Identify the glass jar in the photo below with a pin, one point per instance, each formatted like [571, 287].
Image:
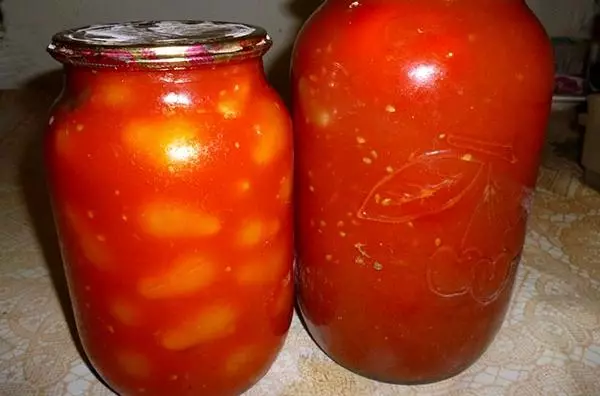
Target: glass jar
[169, 162]
[419, 126]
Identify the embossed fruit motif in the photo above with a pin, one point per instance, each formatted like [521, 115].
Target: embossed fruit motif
[418, 132]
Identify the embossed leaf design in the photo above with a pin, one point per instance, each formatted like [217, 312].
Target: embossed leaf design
[497, 223]
[430, 184]
[499, 150]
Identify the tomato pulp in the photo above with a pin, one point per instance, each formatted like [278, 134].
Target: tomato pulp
[171, 181]
[419, 126]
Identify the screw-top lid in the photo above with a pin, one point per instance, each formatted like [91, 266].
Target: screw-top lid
[159, 44]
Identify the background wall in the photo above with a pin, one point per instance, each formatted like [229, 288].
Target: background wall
[571, 18]
[30, 23]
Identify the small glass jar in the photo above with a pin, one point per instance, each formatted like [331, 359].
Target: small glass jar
[419, 127]
[169, 161]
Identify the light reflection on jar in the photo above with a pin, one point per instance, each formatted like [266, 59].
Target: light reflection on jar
[170, 51]
[182, 152]
[174, 98]
[424, 73]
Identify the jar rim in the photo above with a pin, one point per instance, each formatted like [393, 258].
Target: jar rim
[158, 44]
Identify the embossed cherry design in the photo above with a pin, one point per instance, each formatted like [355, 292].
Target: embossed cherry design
[452, 274]
[401, 197]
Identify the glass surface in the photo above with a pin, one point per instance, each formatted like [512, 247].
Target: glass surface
[419, 126]
[171, 188]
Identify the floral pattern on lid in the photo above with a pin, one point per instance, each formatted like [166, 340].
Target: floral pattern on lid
[158, 44]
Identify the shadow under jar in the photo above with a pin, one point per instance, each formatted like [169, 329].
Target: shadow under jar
[169, 162]
[419, 126]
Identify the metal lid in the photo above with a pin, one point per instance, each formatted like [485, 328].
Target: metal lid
[159, 44]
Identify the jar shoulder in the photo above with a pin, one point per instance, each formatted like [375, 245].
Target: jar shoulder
[416, 29]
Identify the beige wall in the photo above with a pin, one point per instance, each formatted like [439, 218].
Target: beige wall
[30, 23]
[565, 17]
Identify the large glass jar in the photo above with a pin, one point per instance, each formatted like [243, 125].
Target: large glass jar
[169, 161]
[419, 126]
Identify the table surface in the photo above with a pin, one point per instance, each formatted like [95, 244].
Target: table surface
[549, 344]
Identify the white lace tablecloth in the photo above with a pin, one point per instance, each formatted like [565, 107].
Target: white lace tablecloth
[549, 344]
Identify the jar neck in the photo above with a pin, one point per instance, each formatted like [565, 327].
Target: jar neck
[84, 77]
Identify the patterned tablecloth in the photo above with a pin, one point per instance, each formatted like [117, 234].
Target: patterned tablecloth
[549, 344]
